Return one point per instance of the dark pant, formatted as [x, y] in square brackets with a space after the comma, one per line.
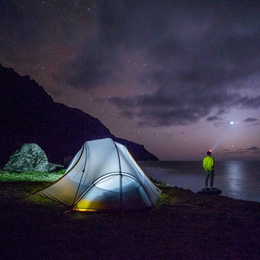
[209, 175]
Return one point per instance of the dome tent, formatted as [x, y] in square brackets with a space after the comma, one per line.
[103, 176]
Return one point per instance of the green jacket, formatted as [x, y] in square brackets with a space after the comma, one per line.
[208, 163]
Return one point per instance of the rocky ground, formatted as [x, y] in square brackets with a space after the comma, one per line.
[183, 225]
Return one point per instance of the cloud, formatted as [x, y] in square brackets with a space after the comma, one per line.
[213, 118]
[198, 70]
[254, 150]
[187, 45]
[92, 68]
[218, 116]
[250, 120]
[159, 109]
[200, 58]
[167, 106]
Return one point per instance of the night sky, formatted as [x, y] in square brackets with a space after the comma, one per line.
[179, 77]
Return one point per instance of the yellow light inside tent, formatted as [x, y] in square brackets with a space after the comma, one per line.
[88, 205]
[85, 210]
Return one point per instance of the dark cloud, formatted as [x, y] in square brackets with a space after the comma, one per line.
[249, 102]
[92, 69]
[200, 69]
[160, 109]
[244, 153]
[213, 118]
[190, 44]
[250, 120]
[254, 149]
[218, 116]
[201, 57]
[170, 107]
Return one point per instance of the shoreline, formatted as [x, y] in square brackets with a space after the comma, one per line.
[236, 179]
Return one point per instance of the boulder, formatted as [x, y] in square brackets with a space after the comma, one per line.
[30, 158]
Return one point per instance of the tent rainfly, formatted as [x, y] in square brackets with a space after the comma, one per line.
[103, 176]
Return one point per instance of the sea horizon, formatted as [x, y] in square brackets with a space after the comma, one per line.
[237, 179]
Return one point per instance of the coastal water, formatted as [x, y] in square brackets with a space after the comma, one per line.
[236, 179]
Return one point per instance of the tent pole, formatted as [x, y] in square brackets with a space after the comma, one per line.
[73, 204]
[120, 181]
[121, 193]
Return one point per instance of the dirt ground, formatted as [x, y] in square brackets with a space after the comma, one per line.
[183, 225]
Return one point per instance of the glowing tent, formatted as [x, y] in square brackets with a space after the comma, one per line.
[103, 176]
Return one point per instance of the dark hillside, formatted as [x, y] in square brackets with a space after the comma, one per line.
[28, 114]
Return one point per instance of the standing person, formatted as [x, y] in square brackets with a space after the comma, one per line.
[208, 165]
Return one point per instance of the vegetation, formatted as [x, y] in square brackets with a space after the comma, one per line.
[31, 176]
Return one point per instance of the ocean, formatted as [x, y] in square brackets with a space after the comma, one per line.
[236, 179]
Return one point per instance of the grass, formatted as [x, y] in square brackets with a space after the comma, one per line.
[45, 177]
[30, 176]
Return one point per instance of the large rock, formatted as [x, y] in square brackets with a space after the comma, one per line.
[30, 158]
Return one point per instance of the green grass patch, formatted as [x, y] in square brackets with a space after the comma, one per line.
[31, 176]
[166, 199]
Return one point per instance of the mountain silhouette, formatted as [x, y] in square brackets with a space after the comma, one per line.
[29, 115]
